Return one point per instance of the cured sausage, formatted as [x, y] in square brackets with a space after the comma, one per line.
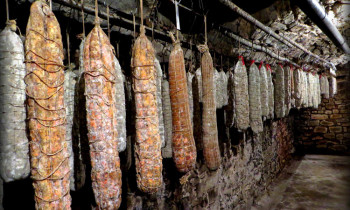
[240, 82]
[288, 90]
[168, 121]
[100, 78]
[159, 74]
[14, 157]
[183, 145]
[264, 91]
[279, 92]
[254, 99]
[148, 158]
[46, 109]
[271, 92]
[120, 105]
[211, 150]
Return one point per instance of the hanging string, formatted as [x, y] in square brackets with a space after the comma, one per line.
[82, 17]
[205, 30]
[96, 13]
[7, 11]
[133, 22]
[141, 12]
[68, 48]
[108, 29]
[50, 5]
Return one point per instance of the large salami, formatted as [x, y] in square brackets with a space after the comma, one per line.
[271, 92]
[264, 91]
[297, 88]
[46, 109]
[167, 151]
[279, 92]
[184, 149]
[148, 157]
[159, 74]
[211, 150]
[288, 90]
[100, 92]
[14, 157]
[240, 83]
[254, 99]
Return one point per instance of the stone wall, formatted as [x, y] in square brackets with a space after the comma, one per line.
[249, 164]
[327, 129]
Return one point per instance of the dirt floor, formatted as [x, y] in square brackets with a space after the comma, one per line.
[310, 183]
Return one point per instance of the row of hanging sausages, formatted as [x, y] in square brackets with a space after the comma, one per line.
[248, 97]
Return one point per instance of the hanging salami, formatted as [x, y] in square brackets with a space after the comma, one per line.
[332, 86]
[14, 157]
[217, 88]
[271, 92]
[254, 99]
[310, 89]
[264, 90]
[184, 149]
[240, 83]
[120, 105]
[168, 121]
[198, 76]
[148, 159]
[279, 92]
[318, 90]
[292, 99]
[197, 113]
[159, 73]
[297, 88]
[326, 94]
[306, 90]
[287, 88]
[211, 150]
[224, 93]
[46, 109]
[231, 100]
[190, 94]
[70, 79]
[100, 92]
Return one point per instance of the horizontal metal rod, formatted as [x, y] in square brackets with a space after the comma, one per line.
[269, 31]
[260, 48]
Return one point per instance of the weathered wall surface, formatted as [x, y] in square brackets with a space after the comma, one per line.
[327, 129]
[249, 164]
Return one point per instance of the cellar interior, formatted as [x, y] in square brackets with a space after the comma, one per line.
[163, 104]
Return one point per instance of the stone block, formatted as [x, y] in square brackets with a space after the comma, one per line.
[330, 106]
[347, 135]
[326, 123]
[346, 111]
[335, 116]
[335, 111]
[342, 120]
[338, 101]
[328, 112]
[319, 117]
[314, 112]
[314, 123]
[336, 129]
[329, 135]
[317, 138]
[320, 129]
[340, 136]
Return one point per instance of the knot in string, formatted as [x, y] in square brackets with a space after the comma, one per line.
[11, 24]
[203, 48]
